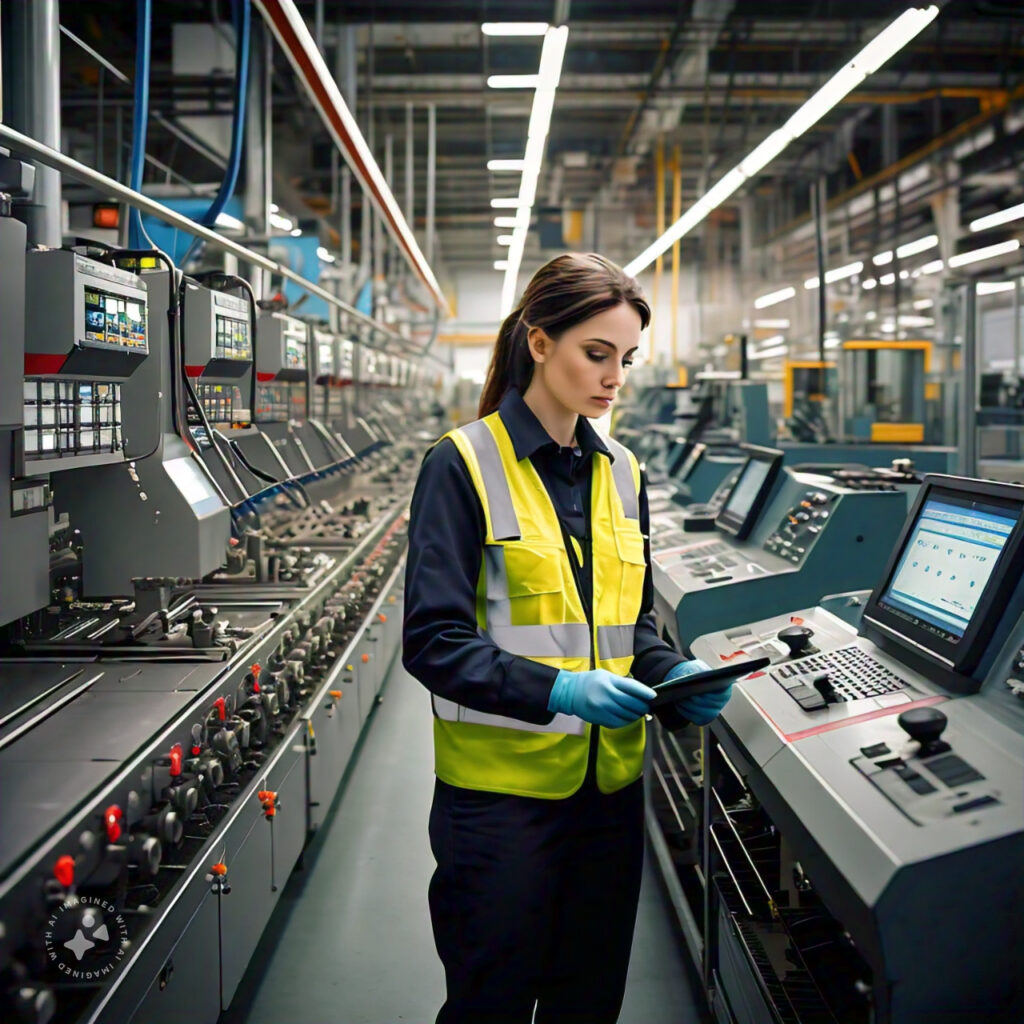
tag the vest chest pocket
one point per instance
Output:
(629, 545)
(535, 583)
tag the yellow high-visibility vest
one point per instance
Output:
(528, 604)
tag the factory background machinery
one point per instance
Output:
(254, 257)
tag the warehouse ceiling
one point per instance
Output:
(711, 77)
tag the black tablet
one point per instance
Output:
(705, 682)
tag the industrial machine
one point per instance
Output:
(780, 537)
(846, 844)
(200, 602)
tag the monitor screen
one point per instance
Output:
(685, 458)
(952, 570)
(750, 492)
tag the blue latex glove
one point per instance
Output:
(600, 697)
(703, 707)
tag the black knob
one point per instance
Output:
(796, 638)
(925, 725)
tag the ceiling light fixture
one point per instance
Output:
(324, 254)
(512, 81)
(839, 274)
(869, 284)
(987, 252)
(769, 353)
(923, 303)
(501, 264)
(506, 204)
(889, 41)
(505, 165)
(505, 239)
(933, 268)
(225, 220)
(511, 222)
(763, 301)
(993, 220)
(994, 287)
(920, 245)
(280, 222)
(780, 324)
(514, 28)
(548, 75)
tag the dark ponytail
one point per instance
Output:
(564, 292)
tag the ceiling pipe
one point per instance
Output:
(285, 21)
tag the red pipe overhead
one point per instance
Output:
(285, 21)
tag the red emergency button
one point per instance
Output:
(175, 760)
(221, 711)
(64, 870)
(112, 820)
(219, 869)
(196, 751)
(256, 670)
(366, 658)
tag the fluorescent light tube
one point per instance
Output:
(772, 298)
(933, 268)
(274, 207)
(987, 252)
(993, 220)
(505, 165)
(501, 264)
(923, 303)
(887, 279)
(323, 254)
(769, 353)
(768, 324)
(882, 258)
(281, 223)
(510, 222)
(295, 232)
(838, 274)
(869, 284)
(994, 287)
(504, 239)
(921, 245)
(888, 42)
(506, 204)
(514, 28)
(512, 81)
(225, 220)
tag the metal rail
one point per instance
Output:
(73, 169)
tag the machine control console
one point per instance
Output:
(801, 525)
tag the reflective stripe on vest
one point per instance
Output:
(504, 523)
(623, 474)
(449, 711)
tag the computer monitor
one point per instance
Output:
(750, 492)
(685, 457)
(952, 570)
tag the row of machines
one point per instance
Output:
(201, 539)
(844, 844)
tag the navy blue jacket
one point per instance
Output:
(440, 643)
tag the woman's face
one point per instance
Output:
(585, 368)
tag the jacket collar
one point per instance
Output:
(529, 436)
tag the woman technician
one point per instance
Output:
(528, 609)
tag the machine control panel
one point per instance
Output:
(283, 348)
(218, 337)
(801, 525)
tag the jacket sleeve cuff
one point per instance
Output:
(527, 690)
(651, 666)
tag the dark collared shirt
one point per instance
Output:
(440, 644)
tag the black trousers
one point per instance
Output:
(534, 902)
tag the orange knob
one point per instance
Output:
(366, 658)
(382, 617)
(219, 869)
(336, 694)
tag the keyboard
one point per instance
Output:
(852, 673)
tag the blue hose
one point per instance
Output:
(240, 16)
(137, 238)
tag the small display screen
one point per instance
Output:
(948, 561)
(232, 339)
(325, 357)
(747, 488)
(114, 319)
(294, 353)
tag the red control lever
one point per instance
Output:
(112, 819)
(175, 760)
(64, 870)
(256, 670)
(221, 712)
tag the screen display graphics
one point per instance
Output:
(294, 353)
(950, 556)
(747, 488)
(232, 339)
(114, 320)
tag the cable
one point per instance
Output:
(140, 118)
(241, 17)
